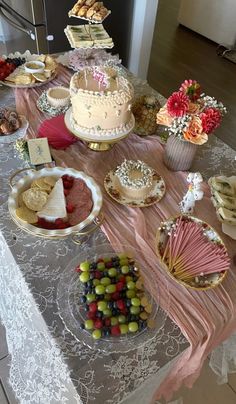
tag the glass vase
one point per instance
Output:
(179, 154)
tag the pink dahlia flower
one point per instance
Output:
(211, 119)
(191, 88)
(178, 104)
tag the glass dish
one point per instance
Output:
(72, 311)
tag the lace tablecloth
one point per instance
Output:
(33, 268)
(47, 364)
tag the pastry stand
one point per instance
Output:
(96, 142)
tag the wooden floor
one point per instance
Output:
(179, 54)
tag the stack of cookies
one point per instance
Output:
(34, 199)
(91, 10)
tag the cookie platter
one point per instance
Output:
(54, 202)
(26, 70)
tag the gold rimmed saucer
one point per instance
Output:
(155, 195)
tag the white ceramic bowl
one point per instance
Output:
(58, 96)
(24, 183)
(34, 66)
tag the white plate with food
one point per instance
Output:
(22, 70)
(54, 202)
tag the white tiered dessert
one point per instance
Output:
(101, 102)
(134, 179)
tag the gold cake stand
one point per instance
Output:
(94, 142)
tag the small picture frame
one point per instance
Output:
(39, 151)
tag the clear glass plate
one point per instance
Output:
(72, 311)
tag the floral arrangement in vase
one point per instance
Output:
(191, 115)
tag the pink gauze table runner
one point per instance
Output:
(205, 318)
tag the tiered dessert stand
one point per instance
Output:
(96, 142)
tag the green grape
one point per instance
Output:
(131, 285)
(125, 269)
(96, 282)
(124, 328)
(105, 281)
(84, 266)
(102, 305)
(97, 334)
(128, 279)
(107, 259)
(114, 320)
(107, 313)
(100, 289)
(122, 256)
(84, 277)
(133, 326)
(124, 262)
(135, 301)
(121, 319)
(88, 324)
(135, 310)
(112, 272)
(130, 294)
(110, 288)
(100, 266)
(90, 298)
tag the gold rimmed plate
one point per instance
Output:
(208, 281)
(155, 195)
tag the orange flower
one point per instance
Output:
(163, 117)
(194, 132)
(194, 108)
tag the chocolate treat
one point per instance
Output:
(6, 128)
(15, 122)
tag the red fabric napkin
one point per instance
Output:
(57, 133)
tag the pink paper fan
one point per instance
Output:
(56, 132)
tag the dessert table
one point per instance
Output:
(49, 365)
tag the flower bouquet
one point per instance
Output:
(190, 116)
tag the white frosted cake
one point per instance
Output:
(101, 102)
(134, 179)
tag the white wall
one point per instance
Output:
(215, 19)
(144, 19)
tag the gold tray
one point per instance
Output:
(159, 242)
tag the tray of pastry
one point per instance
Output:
(88, 36)
(90, 10)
